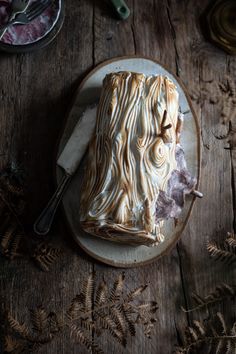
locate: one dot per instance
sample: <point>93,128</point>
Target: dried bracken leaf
<point>110,311</point>
<point>101,295</point>
<point>213,334</point>
<point>11,206</point>
<point>231,240</point>
<point>118,317</point>
<point>222,292</point>
<point>109,324</point>
<point>11,345</point>
<point>88,291</point>
<point>39,319</point>
<point>219,347</point>
<point>55,323</point>
<point>222,323</point>
<point>117,288</point>
<point>220,253</point>
<point>20,329</point>
<point>76,307</point>
<point>83,339</point>
<point>200,327</point>
<point>136,292</point>
<point>45,256</point>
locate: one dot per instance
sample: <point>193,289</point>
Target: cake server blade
<point>69,161</point>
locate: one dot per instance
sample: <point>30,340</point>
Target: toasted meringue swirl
<point>130,159</point>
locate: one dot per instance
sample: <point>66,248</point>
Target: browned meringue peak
<point>131,158</point>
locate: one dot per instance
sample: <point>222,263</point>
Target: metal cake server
<point>69,161</point>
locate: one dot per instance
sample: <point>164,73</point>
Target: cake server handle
<point>44,222</point>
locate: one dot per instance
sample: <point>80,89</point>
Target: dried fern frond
<point>147,309</point>
<point>88,291</point>
<point>27,340</point>
<point>94,310</point>
<point>109,324</point>
<point>101,295</point>
<point>219,252</point>
<point>136,292</point>
<point>222,323</point>
<point>222,291</point>
<point>213,334</point>
<point>231,240</point>
<point>13,241</point>
<point>55,323</point>
<point>145,312</point>
<point>39,319</point>
<point>45,256</point>
<point>7,236</point>
<point>117,288</point>
<point>11,229</point>
<point>12,345</point>
<point>76,307</point>
<point>21,329</point>
<point>112,311</point>
<point>130,324</point>
<point>118,316</point>
<point>11,234</point>
<point>83,339</point>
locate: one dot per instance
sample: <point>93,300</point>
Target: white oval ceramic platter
<point>88,93</point>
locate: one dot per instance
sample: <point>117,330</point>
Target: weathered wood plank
<point>202,68</point>
<point>37,89</point>
<point>151,36</point>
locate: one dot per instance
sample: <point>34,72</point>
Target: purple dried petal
<point>170,203</point>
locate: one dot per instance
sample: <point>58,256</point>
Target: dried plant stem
<point>109,305</point>
<point>213,301</point>
<point>208,339</point>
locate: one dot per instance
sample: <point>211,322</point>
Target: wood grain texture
<point>36,91</point>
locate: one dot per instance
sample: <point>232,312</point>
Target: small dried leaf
<point>219,346</point>
<point>206,336</point>
<point>231,240</point>
<point>55,323</point>
<point>45,256</point>
<point>39,319</point>
<point>117,288</point>
<point>198,299</point>
<point>221,292</point>
<point>76,307</point>
<point>88,291</point>
<point>110,324</point>
<point>136,292</point>
<point>21,329</point>
<point>83,339</point>
<point>219,253</point>
<point>101,294</point>
<point>193,334</point>
<point>199,326</point>
<point>222,322</point>
<point>11,344</point>
<point>118,317</point>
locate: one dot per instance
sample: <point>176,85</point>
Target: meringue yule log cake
<point>136,175</point>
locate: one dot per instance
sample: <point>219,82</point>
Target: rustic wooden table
<point>36,91</point>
